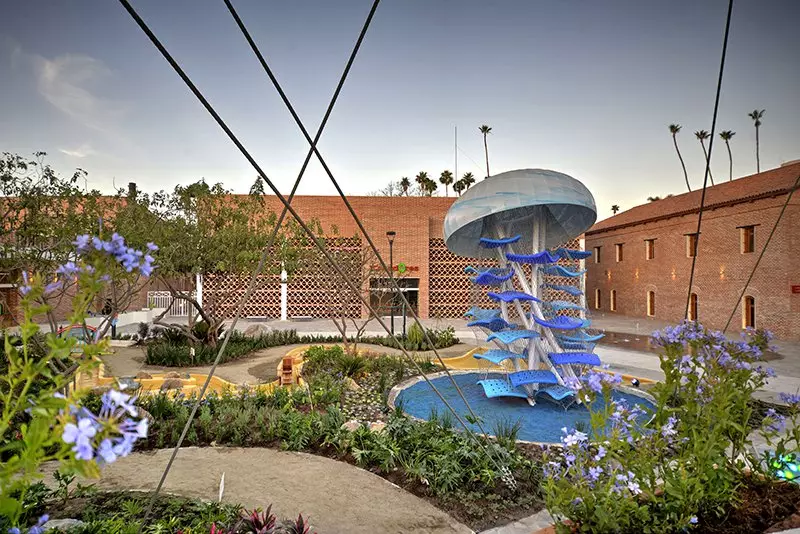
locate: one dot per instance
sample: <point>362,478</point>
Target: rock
<point>172,374</point>
<point>352,425</point>
<point>377,426</point>
<point>171,383</point>
<point>142,374</point>
<point>257,330</point>
<point>144,414</point>
<point>62,524</point>
<point>351,384</point>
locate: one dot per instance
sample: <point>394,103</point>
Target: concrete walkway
<point>337,497</point>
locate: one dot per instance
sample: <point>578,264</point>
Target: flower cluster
<point>108,435</point>
<point>38,528</point>
<point>129,258</point>
<point>593,380</point>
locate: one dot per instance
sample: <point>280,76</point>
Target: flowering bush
<point>686,462</point>
<point>39,423</point>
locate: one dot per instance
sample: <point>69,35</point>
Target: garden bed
<point>172,349</point>
<point>346,393</point>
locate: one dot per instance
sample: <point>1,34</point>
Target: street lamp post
<point>390,236</point>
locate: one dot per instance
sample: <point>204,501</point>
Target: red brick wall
<point>721,269</point>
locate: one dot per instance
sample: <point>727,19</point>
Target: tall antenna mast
<point>455,153</point>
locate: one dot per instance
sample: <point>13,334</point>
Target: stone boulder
<point>61,525</point>
<point>143,375</point>
<point>352,425</point>
<point>171,383</point>
<point>257,330</point>
<point>172,374</point>
<point>377,426</point>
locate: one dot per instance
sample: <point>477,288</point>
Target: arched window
<point>651,303</point>
<point>693,307</point>
<point>749,312</point>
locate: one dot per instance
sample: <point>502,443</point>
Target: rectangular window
<point>749,312</point>
<point>651,303</point>
<point>618,249</point>
<point>597,302</point>
<point>597,254</point>
<point>747,237</point>
<point>613,301</point>
<point>691,245</point>
<point>649,249</point>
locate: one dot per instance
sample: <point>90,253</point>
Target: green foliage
<point>173,352</point>
<point>686,466</point>
<point>415,337</point>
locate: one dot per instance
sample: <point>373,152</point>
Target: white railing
<point>161,299</point>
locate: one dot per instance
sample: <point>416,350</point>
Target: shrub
<point>177,354</point>
<point>685,465</point>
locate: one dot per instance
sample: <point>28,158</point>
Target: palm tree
<point>726,136</point>
<point>446,179</point>
<point>469,179</point>
<point>421,178</point>
<point>702,135</point>
<point>756,116</point>
<point>614,209</point>
<point>486,130</point>
<point>674,129</point>
<point>459,186</point>
<point>430,186</point>
<point>405,185</point>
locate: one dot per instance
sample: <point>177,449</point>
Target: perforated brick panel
<point>451,292</point>
<point>316,290</point>
<point>222,291</point>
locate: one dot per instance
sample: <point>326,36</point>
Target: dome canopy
<point>516,202</point>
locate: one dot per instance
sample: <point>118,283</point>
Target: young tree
<point>459,187</point>
<point>405,185</point>
<point>615,209</point>
<point>468,180</point>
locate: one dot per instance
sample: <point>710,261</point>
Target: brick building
<point>642,257</point>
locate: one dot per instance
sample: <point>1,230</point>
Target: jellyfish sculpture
<point>539,328</point>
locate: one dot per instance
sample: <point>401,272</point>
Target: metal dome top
<point>517,202</point>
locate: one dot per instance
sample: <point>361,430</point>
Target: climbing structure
<point>518,218</point>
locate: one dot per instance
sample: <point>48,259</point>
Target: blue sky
<point>586,88</point>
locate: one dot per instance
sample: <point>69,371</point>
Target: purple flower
<point>633,487</point>
<point>82,243</point>
<point>14,530</point>
<point>595,382</point>
<point>106,451</point>
<point>601,453</point>
<point>693,520</point>
<point>576,501</point>
<point>573,438</point>
<point>775,421</point>
<point>594,473</point>
<point>25,288</point>
<point>668,430</point>
<point>790,398</point>
<point>114,400</point>
<point>81,435</point>
<point>152,247</point>
<point>52,286</point>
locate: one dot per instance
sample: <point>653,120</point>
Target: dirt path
<point>336,496</point>
<point>258,367</point>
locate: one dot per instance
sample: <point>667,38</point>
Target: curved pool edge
<point>391,400</point>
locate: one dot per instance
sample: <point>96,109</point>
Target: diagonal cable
<point>393,283</point>
<point>763,250</point>
<point>259,268</point>
<point>708,159</point>
<point>317,242</point>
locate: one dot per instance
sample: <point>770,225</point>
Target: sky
<point>583,87</point>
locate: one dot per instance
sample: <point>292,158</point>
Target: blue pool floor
<point>541,423</point>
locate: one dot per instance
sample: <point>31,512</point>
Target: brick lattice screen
<point>451,292</point>
<point>316,290</point>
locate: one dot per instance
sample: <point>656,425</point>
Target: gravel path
<point>336,496</point>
